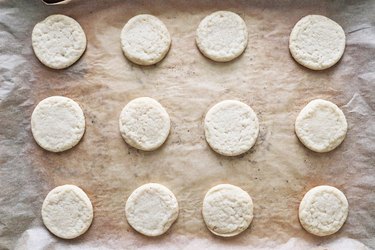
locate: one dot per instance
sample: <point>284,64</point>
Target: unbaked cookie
<point>231,127</point>
<point>58,41</point>
<point>321,126</point>
<point>317,42</point>
<point>151,209</point>
<point>323,210</point>
<point>145,40</point>
<point>57,123</point>
<point>144,123</point>
<point>67,211</point>
<point>227,210</point>
<point>222,36</point>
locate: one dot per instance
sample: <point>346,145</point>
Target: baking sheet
<point>276,172</point>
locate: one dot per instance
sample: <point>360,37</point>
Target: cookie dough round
<point>231,127</point>
<point>151,209</point>
<point>227,210</point>
<point>67,211</point>
<point>57,123</point>
<point>144,124</point>
<point>317,42</point>
<point>323,210</point>
<point>222,36</point>
<point>145,40</point>
<point>321,126</point>
<point>58,41</point>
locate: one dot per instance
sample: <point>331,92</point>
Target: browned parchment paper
<point>276,172</point>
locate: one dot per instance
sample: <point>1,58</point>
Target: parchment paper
<point>277,172</point>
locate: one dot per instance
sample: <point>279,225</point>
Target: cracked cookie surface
<point>58,41</point>
<point>67,211</point>
<point>323,210</point>
<point>317,42</point>
<point>231,127</point>
<point>227,210</point>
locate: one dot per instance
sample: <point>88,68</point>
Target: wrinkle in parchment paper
<point>277,172</point>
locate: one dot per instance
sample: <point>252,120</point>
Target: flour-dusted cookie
<point>67,212</point>
<point>151,209</point>
<point>57,123</point>
<point>231,127</point>
<point>227,210</point>
<point>222,36</point>
<point>145,40</point>
<point>144,123</point>
<point>58,41</point>
<point>321,126</point>
<point>317,42</point>
<point>323,210</point>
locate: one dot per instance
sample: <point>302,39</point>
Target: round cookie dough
<point>231,127</point>
<point>58,41</point>
<point>323,210</point>
<point>144,124</point>
<point>317,42</point>
<point>145,40</point>
<point>227,210</point>
<point>57,123</point>
<point>151,209</point>
<point>222,36</point>
<point>321,126</point>
<point>67,211</point>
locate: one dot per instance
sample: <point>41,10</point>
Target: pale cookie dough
<point>144,124</point>
<point>57,123</point>
<point>227,210</point>
<point>323,210</point>
<point>321,126</point>
<point>151,209</point>
<point>67,212</point>
<point>317,42</point>
<point>58,41</point>
<point>231,127</point>
<point>145,40</point>
<point>222,36</point>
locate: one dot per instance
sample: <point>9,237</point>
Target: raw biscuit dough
<point>222,36</point>
<point>151,209</point>
<point>145,40</point>
<point>321,126</point>
<point>227,210</point>
<point>323,210</point>
<point>231,127</point>
<point>57,123</point>
<point>67,212</point>
<point>317,42</point>
<point>58,41</point>
<point>144,124</point>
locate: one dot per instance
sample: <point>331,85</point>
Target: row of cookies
<point>231,127</point>
<point>152,208</point>
<point>315,42</point>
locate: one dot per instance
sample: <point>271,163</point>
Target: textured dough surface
<point>317,42</point>
<point>151,209</point>
<point>58,41</point>
<point>57,123</point>
<point>222,36</point>
<point>231,127</point>
<point>144,123</point>
<point>321,126</point>
<point>227,210</point>
<point>67,212</point>
<point>145,40</point>
<point>323,210</point>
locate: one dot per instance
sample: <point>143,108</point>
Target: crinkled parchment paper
<point>276,172</point>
